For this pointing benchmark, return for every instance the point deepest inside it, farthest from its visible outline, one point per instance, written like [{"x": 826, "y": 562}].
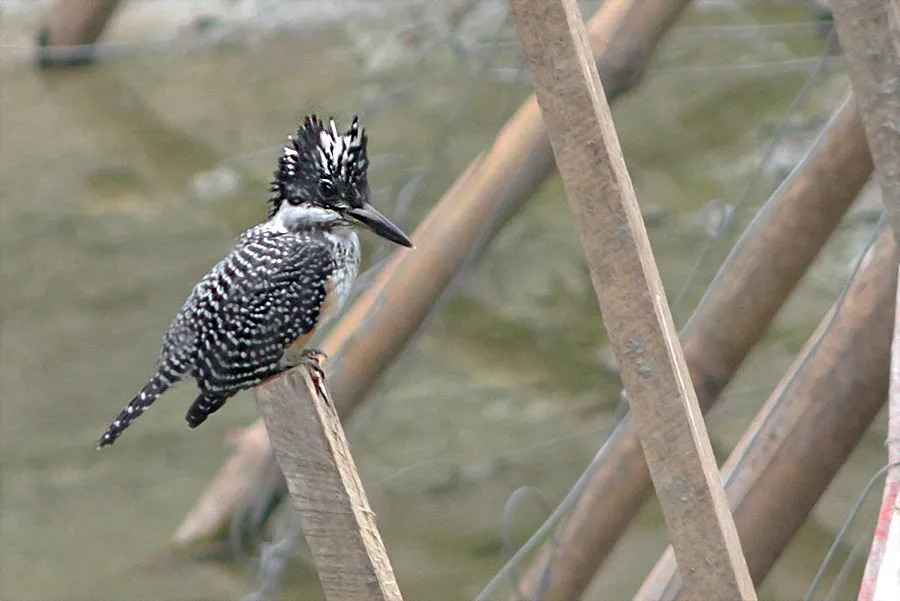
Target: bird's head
[{"x": 321, "y": 181}]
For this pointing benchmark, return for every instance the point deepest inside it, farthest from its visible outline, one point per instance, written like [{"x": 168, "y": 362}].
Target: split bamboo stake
[
  {"x": 378, "y": 326},
  {"x": 762, "y": 270},
  {"x": 632, "y": 301},
  {"x": 881, "y": 579},
  {"x": 312, "y": 452},
  {"x": 895, "y": 25}
]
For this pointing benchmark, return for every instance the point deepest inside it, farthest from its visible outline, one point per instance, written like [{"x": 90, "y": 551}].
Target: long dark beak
[{"x": 373, "y": 219}]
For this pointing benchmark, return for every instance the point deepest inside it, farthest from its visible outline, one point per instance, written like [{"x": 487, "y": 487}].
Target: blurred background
[{"x": 124, "y": 180}]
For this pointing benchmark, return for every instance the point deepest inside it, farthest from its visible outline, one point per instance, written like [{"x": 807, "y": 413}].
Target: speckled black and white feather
[
  {"x": 235, "y": 327},
  {"x": 317, "y": 152},
  {"x": 240, "y": 320}
]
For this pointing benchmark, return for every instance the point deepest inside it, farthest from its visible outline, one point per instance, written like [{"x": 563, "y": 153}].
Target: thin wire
[
  {"x": 504, "y": 573},
  {"x": 273, "y": 559},
  {"x": 748, "y": 31},
  {"x": 758, "y": 68},
  {"x": 744, "y": 196},
  {"x": 692, "y": 33},
  {"x": 838, "y": 306},
  {"x": 846, "y": 526},
  {"x": 517, "y": 498},
  {"x": 513, "y": 456},
  {"x": 225, "y": 33},
  {"x": 763, "y": 68},
  {"x": 406, "y": 190},
  {"x": 245, "y": 531},
  {"x": 841, "y": 579}
]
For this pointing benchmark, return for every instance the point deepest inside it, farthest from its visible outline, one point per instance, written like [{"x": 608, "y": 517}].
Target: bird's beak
[{"x": 373, "y": 219}]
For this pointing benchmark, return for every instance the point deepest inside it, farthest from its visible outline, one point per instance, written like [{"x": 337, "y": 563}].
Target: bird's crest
[{"x": 319, "y": 151}]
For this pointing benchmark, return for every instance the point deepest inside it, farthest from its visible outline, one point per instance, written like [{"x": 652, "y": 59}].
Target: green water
[{"x": 103, "y": 233}]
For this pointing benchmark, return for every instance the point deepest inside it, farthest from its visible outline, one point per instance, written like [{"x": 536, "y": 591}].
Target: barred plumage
[{"x": 252, "y": 315}]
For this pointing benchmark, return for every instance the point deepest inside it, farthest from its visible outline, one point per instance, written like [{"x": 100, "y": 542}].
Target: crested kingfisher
[{"x": 252, "y": 316}]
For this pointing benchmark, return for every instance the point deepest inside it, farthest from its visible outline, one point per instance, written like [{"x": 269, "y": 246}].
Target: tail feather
[
  {"x": 202, "y": 408},
  {"x": 157, "y": 385}
]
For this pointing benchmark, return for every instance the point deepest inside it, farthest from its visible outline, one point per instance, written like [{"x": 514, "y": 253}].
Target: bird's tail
[
  {"x": 203, "y": 407},
  {"x": 157, "y": 385}
]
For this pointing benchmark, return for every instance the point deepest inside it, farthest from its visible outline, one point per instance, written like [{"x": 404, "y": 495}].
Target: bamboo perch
[
  {"x": 753, "y": 283},
  {"x": 873, "y": 64},
  {"x": 887, "y": 583},
  {"x": 895, "y": 25},
  {"x": 312, "y": 452},
  {"x": 69, "y": 28},
  {"x": 810, "y": 424},
  {"x": 881, "y": 580},
  {"x": 377, "y": 327},
  {"x": 632, "y": 301}
]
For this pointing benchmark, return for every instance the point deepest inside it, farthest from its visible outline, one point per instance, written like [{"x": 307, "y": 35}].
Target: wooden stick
[
  {"x": 632, "y": 300},
  {"x": 887, "y": 583},
  {"x": 895, "y": 25},
  {"x": 69, "y": 28},
  {"x": 313, "y": 454},
  {"x": 869, "y": 31},
  {"x": 809, "y": 426},
  {"x": 762, "y": 270},
  {"x": 881, "y": 579},
  {"x": 873, "y": 61},
  {"x": 381, "y": 322}
]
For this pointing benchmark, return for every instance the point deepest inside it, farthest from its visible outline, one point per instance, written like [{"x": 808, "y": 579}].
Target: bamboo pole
[
  {"x": 377, "y": 327},
  {"x": 632, "y": 300},
  {"x": 69, "y": 28},
  {"x": 873, "y": 63},
  {"x": 810, "y": 424},
  {"x": 761, "y": 271},
  {"x": 312, "y": 453}
]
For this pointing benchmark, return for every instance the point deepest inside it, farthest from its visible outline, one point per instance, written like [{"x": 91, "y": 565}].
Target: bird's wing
[{"x": 267, "y": 294}]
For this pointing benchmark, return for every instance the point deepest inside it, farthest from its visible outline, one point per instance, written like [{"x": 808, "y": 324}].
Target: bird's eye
[{"x": 326, "y": 189}]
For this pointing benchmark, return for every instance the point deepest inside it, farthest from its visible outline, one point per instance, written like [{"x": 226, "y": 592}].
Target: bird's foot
[{"x": 313, "y": 358}]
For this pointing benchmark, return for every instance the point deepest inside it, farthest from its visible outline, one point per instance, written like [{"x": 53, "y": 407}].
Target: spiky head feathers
[{"x": 322, "y": 166}]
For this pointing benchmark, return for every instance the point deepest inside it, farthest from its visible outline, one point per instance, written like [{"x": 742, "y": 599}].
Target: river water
[{"x": 122, "y": 182}]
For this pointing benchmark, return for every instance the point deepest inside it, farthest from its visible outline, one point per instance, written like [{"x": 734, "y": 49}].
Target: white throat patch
[{"x": 292, "y": 217}]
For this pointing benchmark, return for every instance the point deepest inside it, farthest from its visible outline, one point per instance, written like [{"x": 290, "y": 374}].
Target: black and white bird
[{"x": 252, "y": 316}]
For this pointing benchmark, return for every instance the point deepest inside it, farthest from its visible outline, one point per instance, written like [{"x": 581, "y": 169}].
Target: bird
[{"x": 254, "y": 313}]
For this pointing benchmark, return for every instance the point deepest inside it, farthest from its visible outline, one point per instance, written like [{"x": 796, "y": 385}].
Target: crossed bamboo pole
[
  {"x": 762, "y": 270},
  {"x": 810, "y": 424}
]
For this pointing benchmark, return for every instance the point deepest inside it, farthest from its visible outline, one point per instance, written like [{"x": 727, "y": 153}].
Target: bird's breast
[{"x": 338, "y": 286}]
